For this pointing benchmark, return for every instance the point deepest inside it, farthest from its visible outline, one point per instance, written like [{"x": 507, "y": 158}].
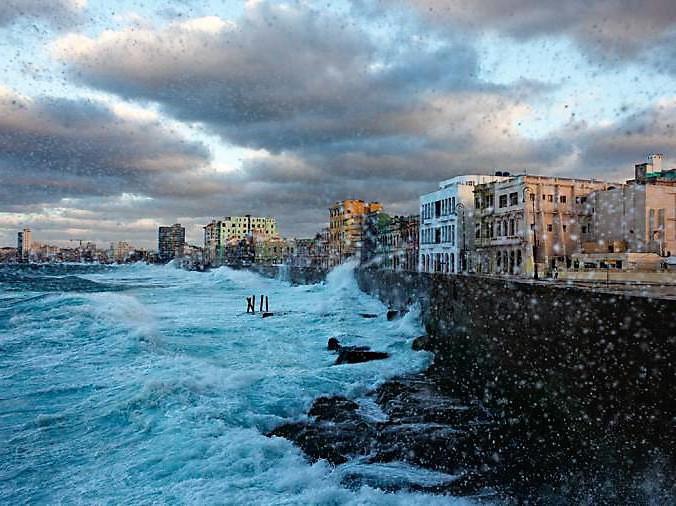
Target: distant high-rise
[
  {"x": 24, "y": 243},
  {"x": 171, "y": 241}
]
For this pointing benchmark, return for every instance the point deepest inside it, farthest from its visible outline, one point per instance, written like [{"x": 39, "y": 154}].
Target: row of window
[
  {"x": 443, "y": 207},
  {"x": 499, "y": 228},
  {"x": 438, "y": 235},
  {"x": 510, "y": 200},
  {"x": 438, "y": 262}
]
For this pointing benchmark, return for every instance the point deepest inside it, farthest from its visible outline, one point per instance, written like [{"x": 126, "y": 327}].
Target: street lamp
[
  {"x": 463, "y": 262},
  {"x": 535, "y": 241}
]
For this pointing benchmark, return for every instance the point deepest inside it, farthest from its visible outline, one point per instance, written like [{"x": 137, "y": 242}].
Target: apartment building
[
  {"x": 233, "y": 229},
  {"x": 528, "y": 225},
  {"x": 24, "y": 244},
  {"x": 171, "y": 241},
  {"x": 346, "y": 224},
  {"x": 638, "y": 217},
  {"x": 446, "y": 224}
]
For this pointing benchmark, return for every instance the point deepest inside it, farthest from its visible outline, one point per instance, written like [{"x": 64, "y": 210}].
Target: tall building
[
  {"x": 346, "y": 224},
  {"x": 447, "y": 224},
  {"x": 24, "y": 244},
  {"x": 232, "y": 229},
  {"x": 171, "y": 241},
  {"x": 529, "y": 224}
]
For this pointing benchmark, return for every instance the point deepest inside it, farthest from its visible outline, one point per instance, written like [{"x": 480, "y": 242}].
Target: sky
[{"x": 118, "y": 117}]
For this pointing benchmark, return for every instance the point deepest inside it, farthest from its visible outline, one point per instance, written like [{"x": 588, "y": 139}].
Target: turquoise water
[{"x": 146, "y": 384}]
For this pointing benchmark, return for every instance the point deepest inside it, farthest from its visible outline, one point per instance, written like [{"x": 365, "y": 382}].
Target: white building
[{"x": 447, "y": 224}]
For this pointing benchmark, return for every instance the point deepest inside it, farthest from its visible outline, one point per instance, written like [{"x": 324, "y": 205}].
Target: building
[
  {"x": 171, "y": 242},
  {"x": 346, "y": 223},
  {"x": 272, "y": 251},
  {"x": 233, "y": 229},
  {"x": 631, "y": 226},
  {"x": 121, "y": 251},
  {"x": 396, "y": 242},
  {"x": 528, "y": 225},
  {"x": 447, "y": 224},
  {"x": 24, "y": 244}
]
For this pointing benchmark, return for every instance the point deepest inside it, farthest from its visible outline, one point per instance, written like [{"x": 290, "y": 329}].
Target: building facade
[
  {"x": 636, "y": 217},
  {"x": 231, "y": 230},
  {"x": 528, "y": 225},
  {"x": 397, "y": 245},
  {"x": 346, "y": 224},
  {"x": 171, "y": 241},
  {"x": 24, "y": 244},
  {"x": 447, "y": 224}
]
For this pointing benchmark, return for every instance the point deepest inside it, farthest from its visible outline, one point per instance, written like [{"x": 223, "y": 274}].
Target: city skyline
[{"x": 114, "y": 122}]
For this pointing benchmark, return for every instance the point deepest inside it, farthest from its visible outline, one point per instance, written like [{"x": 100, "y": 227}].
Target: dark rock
[
  {"x": 368, "y": 315},
  {"x": 422, "y": 343},
  {"x": 337, "y": 408},
  {"x": 356, "y": 356},
  {"x": 334, "y": 345},
  {"x": 392, "y": 314}
]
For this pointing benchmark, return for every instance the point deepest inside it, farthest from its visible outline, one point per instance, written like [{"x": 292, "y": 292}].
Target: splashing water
[{"x": 157, "y": 387}]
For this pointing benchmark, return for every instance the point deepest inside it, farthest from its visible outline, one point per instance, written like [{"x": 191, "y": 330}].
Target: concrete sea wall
[
  {"x": 586, "y": 360},
  {"x": 295, "y": 275}
]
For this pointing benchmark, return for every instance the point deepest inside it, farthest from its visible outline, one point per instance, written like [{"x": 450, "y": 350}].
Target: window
[
  {"x": 564, "y": 228},
  {"x": 511, "y": 227},
  {"x": 562, "y": 199},
  {"x": 550, "y": 198},
  {"x": 503, "y": 200},
  {"x": 514, "y": 199},
  {"x": 532, "y": 197},
  {"x": 549, "y": 227}
]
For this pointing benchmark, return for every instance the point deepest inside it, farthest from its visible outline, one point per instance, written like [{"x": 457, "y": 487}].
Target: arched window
[
  {"x": 505, "y": 262},
  {"x": 452, "y": 263}
]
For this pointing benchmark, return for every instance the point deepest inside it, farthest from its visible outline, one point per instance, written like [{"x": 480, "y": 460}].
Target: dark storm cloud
[
  {"x": 609, "y": 28},
  {"x": 283, "y": 78},
  {"x": 56, "y": 148},
  {"x": 59, "y": 13},
  {"x": 340, "y": 108},
  {"x": 614, "y": 148}
]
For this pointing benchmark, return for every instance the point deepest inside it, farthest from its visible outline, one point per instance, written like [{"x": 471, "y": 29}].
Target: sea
[{"x": 146, "y": 384}]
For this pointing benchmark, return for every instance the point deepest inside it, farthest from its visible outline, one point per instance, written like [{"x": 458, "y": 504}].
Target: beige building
[
  {"x": 346, "y": 222},
  {"x": 529, "y": 224},
  {"x": 637, "y": 217}
]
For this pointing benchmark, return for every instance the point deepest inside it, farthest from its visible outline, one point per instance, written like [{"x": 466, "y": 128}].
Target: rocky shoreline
[{"x": 478, "y": 452}]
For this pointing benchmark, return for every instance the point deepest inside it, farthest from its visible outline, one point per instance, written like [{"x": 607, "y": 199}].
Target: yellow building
[{"x": 346, "y": 220}]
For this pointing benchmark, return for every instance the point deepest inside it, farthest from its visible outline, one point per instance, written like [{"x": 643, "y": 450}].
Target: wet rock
[
  {"x": 393, "y": 314},
  {"x": 422, "y": 343},
  {"x": 424, "y": 428},
  {"x": 336, "y": 409},
  {"x": 356, "y": 356},
  {"x": 334, "y": 345},
  {"x": 368, "y": 315}
]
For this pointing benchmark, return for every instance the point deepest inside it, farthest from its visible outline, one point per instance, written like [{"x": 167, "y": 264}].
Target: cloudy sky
[{"x": 117, "y": 117}]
